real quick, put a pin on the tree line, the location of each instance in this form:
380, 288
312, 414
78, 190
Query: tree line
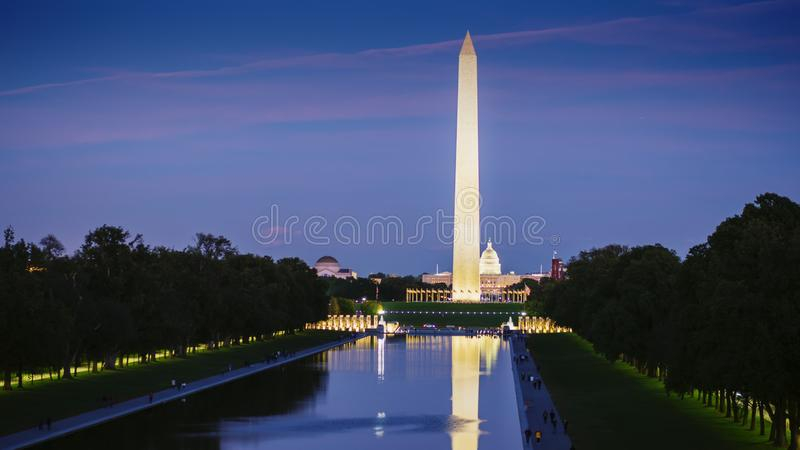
723, 324
391, 288
117, 297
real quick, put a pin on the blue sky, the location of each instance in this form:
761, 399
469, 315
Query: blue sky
631, 123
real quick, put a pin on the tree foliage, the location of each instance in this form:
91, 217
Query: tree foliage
117, 297
724, 323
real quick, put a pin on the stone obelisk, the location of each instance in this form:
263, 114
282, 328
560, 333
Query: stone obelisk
466, 226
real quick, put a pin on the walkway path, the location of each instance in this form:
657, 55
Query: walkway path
531, 402
69, 425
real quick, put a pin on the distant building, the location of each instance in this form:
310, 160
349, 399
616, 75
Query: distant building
493, 282
556, 268
328, 266
490, 261
436, 278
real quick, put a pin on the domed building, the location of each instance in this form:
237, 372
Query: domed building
494, 283
490, 262
328, 266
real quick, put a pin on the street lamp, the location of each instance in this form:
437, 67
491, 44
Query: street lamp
377, 282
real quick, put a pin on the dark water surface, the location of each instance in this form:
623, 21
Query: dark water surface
405, 392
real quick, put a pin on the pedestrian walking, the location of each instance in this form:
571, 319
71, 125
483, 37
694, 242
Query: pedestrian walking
566, 424
538, 436
552, 416
544, 416
150, 397
527, 435
49, 423
173, 383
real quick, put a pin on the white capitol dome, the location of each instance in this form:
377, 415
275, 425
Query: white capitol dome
490, 262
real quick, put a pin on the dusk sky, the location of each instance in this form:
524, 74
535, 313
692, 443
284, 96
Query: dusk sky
635, 123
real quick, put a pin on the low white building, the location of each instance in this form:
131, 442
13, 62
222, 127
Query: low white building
328, 266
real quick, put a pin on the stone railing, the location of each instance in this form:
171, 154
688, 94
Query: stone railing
487, 295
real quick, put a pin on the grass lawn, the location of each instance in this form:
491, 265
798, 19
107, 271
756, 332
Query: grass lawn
23, 408
446, 313
451, 307
611, 406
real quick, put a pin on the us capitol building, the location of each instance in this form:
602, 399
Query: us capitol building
494, 283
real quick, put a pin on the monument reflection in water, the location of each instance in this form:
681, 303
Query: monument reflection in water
432, 392
467, 354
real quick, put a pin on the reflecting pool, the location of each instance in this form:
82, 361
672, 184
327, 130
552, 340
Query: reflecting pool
404, 392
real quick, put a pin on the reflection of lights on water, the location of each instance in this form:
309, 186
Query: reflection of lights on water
468, 355
379, 428
381, 346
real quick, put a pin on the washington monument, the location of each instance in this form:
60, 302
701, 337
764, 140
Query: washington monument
466, 231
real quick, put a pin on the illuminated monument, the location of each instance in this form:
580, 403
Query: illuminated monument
476, 277
466, 223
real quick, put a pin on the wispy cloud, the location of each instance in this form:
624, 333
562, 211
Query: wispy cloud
676, 31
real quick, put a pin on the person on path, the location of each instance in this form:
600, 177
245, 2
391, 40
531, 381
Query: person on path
566, 424
538, 436
552, 416
173, 382
49, 423
150, 397
527, 435
544, 416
